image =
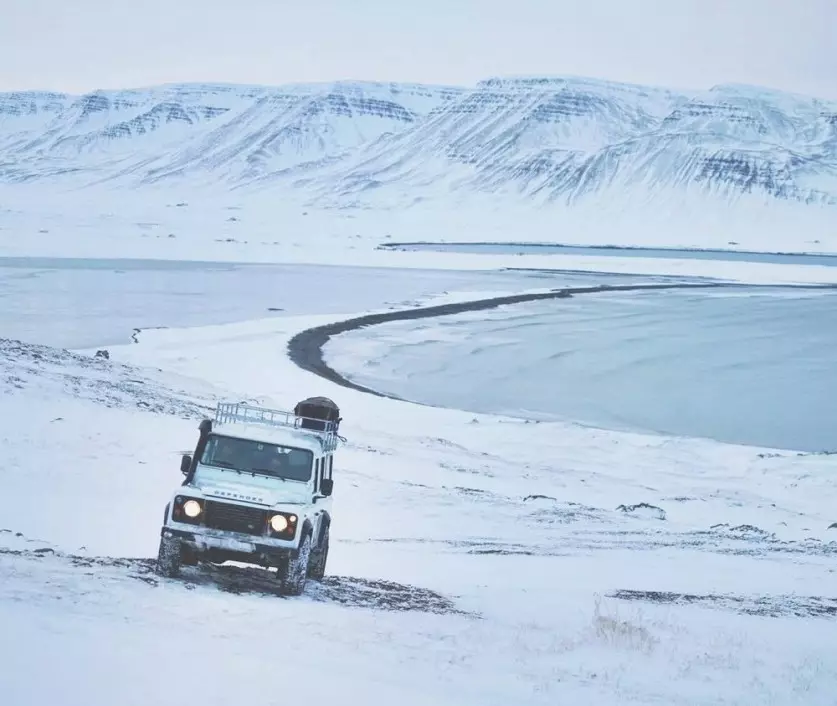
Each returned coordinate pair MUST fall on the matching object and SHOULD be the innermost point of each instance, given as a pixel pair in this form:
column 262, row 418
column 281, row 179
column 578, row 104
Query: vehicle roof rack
column 243, row 413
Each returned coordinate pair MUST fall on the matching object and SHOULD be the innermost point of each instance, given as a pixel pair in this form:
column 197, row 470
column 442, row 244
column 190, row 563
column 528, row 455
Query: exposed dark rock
column 643, row 509
column 770, row 606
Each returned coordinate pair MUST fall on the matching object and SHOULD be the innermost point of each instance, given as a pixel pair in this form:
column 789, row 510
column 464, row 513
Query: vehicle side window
column 317, row 474
column 330, row 465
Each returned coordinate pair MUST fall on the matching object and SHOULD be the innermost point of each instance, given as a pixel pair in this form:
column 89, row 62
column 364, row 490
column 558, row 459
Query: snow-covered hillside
column 217, row 132
column 562, row 140
column 477, row 560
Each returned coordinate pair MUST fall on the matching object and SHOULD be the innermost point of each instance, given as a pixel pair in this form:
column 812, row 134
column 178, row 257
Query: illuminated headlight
column 189, row 510
column 283, row 524
column 192, row 508
column 279, row 523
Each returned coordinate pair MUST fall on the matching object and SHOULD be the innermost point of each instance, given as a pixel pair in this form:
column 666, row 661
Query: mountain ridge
column 543, row 139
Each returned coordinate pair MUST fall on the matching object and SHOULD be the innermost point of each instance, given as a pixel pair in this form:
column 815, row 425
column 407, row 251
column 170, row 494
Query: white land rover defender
column 258, row 491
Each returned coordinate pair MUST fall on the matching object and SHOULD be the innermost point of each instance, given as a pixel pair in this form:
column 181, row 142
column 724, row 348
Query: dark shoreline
column 445, row 246
column 305, row 349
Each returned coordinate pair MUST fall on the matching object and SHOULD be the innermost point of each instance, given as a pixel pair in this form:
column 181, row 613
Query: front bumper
column 227, row 546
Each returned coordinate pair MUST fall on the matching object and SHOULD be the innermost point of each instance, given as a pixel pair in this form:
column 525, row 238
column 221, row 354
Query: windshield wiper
column 268, row 472
column 225, row 464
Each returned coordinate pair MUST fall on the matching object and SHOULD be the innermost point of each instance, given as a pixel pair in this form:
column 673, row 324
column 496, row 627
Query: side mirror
column 326, row 486
column 185, row 463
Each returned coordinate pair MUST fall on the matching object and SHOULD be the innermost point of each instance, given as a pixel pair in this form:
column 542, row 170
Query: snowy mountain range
column 353, row 143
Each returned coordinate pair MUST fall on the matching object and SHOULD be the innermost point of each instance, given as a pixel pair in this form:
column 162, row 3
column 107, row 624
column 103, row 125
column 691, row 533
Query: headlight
column 279, row 523
column 187, row 510
column 283, row 524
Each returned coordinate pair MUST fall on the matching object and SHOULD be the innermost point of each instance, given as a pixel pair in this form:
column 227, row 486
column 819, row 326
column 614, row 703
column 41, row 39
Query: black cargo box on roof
column 318, row 408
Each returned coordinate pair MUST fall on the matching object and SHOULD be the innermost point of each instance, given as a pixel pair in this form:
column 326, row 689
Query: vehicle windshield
column 249, row 456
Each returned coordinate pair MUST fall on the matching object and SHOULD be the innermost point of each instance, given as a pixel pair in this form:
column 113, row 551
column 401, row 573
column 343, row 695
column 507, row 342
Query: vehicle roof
column 285, row 436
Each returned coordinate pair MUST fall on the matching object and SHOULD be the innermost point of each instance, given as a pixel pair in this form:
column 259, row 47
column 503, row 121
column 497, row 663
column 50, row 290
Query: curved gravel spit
column 305, row 349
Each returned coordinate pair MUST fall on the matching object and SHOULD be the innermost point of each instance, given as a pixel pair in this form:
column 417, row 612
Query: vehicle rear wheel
column 294, row 572
column 168, row 557
column 317, row 567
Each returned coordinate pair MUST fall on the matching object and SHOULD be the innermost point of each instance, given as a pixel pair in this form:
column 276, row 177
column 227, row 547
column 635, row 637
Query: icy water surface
column 80, row 303
column 747, row 366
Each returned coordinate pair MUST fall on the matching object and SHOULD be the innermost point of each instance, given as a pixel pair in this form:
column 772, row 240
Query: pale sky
column 81, row 45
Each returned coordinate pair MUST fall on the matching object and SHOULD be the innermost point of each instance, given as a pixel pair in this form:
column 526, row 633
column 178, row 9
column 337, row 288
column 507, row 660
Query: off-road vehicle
column 257, row 491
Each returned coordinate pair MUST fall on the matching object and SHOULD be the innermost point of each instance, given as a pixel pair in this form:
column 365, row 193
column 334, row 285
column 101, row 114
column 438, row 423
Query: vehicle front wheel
column 294, row 572
column 317, row 567
column 168, row 557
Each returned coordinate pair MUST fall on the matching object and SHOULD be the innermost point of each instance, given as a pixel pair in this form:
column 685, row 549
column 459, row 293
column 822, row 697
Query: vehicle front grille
column 235, row 518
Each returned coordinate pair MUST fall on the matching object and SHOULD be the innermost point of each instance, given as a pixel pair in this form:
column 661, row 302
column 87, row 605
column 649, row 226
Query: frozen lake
column 746, row 366
column 82, row 303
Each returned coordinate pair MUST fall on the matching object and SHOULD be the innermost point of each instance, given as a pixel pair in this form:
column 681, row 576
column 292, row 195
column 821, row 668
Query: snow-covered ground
column 475, row 559
column 180, row 223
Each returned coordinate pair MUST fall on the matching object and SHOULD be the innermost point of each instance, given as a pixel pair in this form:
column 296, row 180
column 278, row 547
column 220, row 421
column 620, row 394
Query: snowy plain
column 435, row 499
column 181, row 222
column 529, row 563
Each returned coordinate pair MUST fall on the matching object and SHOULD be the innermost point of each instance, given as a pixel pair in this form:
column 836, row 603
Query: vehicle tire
column 168, row 557
column 317, row 566
column 294, row 572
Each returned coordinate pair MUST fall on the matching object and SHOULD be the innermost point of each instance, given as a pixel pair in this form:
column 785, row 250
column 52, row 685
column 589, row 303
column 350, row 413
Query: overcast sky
column 81, row 45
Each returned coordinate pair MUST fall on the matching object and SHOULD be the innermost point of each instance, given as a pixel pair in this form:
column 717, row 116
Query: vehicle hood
column 230, row 485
